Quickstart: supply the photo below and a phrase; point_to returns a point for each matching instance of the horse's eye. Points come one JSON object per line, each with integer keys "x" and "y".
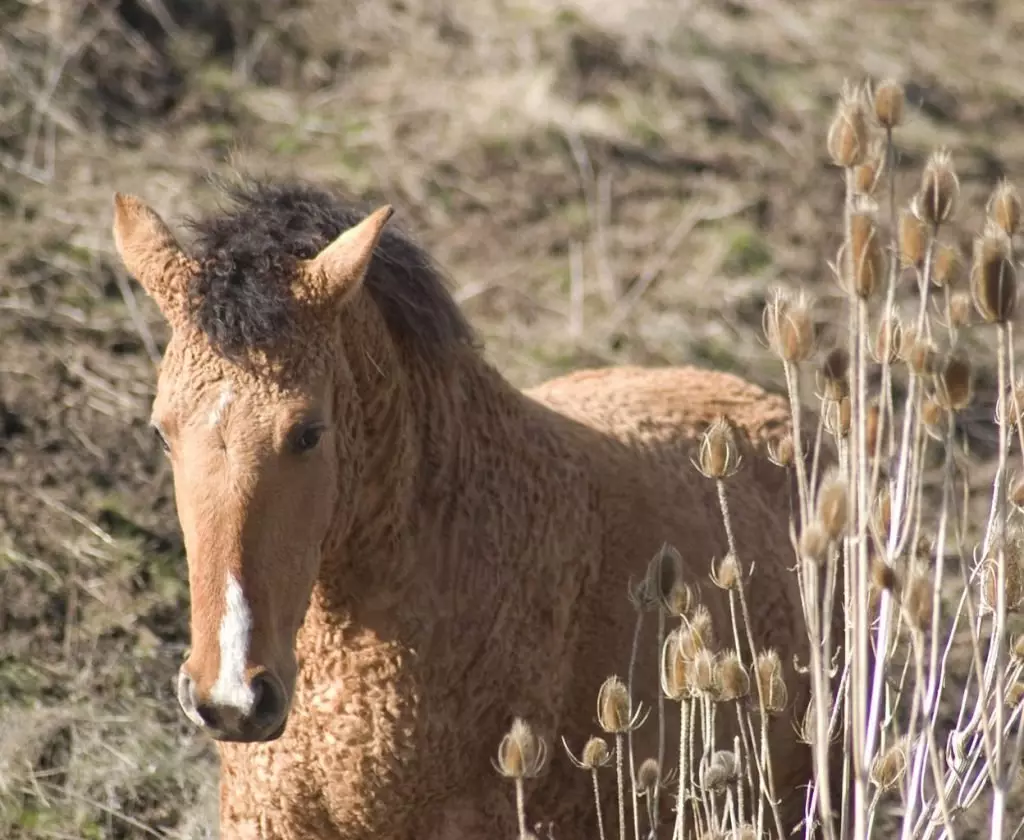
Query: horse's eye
{"x": 163, "y": 441}
{"x": 305, "y": 438}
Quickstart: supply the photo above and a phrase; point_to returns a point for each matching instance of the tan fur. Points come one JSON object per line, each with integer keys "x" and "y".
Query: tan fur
{"x": 465, "y": 549}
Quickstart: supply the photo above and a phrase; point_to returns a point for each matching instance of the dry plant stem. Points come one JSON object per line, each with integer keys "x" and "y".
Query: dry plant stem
{"x": 822, "y": 700}
{"x": 655, "y": 806}
{"x": 793, "y": 386}
{"x": 885, "y": 408}
{"x": 763, "y": 759}
{"x": 999, "y": 631}
{"x": 621, "y": 784}
{"x": 680, "y": 829}
{"x": 597, "y": 804}
{"x": 747, "y": 748}
{"x": 521, "y": 806}
{"x": 629, "y": 734}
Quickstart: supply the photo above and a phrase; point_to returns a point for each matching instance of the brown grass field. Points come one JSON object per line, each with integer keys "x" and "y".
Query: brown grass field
{"x": 605, "y": 182}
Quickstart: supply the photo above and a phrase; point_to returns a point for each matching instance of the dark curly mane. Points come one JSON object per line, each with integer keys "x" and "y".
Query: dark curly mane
{"x": 247, "y": 255}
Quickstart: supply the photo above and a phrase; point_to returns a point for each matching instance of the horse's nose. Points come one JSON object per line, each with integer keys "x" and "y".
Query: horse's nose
{"x": 256, "y": 715}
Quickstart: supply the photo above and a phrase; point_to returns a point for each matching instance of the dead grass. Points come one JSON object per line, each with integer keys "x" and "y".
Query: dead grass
{"x": 605, "y": 182}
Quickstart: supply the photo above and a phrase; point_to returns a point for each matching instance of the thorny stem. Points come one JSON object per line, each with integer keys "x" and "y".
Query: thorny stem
{"x": 621, "y": 785}
{"x": 597, "y": 804}
{"x": 999, "y": 631}
{"x": 655, "y": 808}
{"x": 521, "y": 807}
{"x": 793, "y": 386}
{"x": 680, "y": 828}
{"x": 629, "y": 734}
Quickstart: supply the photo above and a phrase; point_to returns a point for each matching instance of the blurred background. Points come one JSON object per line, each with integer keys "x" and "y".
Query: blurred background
{"x": 605, "y": 182}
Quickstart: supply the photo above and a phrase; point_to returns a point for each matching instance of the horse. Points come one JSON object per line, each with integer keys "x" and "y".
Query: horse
{"x": 393, "y": 552}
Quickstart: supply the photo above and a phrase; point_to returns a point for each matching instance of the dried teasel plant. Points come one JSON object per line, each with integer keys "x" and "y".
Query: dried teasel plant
{"x": 718, "y": 456}
{"x": 994, "y": 276}
{"x": 788, "y": 326}
{"x": 937, "y": 198}
{"x": 849, "y": 135}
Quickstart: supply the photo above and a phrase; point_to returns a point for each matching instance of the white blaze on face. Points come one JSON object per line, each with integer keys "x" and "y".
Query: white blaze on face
{"x": 232, "y": 688}
{"x": 223, "y": 401}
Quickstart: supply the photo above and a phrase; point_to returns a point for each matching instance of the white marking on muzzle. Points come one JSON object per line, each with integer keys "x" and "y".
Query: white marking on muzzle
{"x": 232, "y": 688}
{"x": 223, "y": 401}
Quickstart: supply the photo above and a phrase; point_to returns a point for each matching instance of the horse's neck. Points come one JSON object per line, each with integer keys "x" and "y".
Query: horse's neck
{"x": 429, "y": 428}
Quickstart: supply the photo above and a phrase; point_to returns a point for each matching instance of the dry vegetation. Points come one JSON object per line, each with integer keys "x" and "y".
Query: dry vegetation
{"x": 606, "y": 182}
{"x": 926, "y": 743}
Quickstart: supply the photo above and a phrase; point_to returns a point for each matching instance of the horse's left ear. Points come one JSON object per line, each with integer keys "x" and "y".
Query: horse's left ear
{"x": 337, "y": 272}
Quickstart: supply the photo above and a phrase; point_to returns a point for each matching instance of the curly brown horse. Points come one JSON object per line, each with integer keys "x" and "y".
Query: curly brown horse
{"x": 392, "y": 551}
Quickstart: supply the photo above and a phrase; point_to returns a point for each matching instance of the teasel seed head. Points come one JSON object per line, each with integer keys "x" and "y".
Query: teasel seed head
{"x": 703, "y": 674}
{"x": 994, "y": 276}
{"x": 788, "y": 326}
{"x": 814, "y": 543}
{"x": 679, "y": 600}
{"x": 726, "y": 573}
{"x": 947, "y": 267}
{"x": 953, "y": 382}
{"x": 913, "y": 237}
{"x": 768, "y": 670}
{"x": 719, "y": 456}
{"x": 849, "y": 135}
{"x": 781, "y": 452}
{"x": 1016, "y": 491}
{"x": 868, "y": 268}
{"x": 720, "y": 770}
{"x": 596, "y": 754}
{"x": 960, "y": 309}
{"x": 867, "y": 175}
{"x": 837, "y": 418}
{"x": 1017, "y": 648}
{"x": 890, "y": 766}
{"x": 889, "y": 101}
{"x": 733, "y": 679}
{"x": 664, "y": 572}
{"x": 835, "y": 371}
{"x": 940, "y": 188}
{"x": 921, "y": 357}
{"x": 933, "y": 417}
{"x": 888, "y": 340}
{"x": 831, "y": 505}
{"x": 521, "y": 753}
{"x": 1010, "y": 406}
{"x": 648, "y": 775}
{"x": 1014, "y": 694}
{"x": 872, "y": 418}
{"x": 884, "y": 576}
{"x": 1014, "y": 576}
{"x": 614, "y": 712}
{"x": 697, "y": 633}
{"x": 917, "y": 601}
{"x": 675, "y": 667}
{"x": 1004, "y": 207}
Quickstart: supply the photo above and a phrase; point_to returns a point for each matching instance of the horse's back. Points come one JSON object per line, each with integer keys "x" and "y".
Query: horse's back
{"x": 649, "y": 421}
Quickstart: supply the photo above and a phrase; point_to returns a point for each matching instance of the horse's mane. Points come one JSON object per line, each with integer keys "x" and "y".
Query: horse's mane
{"x": 241, "y": 297}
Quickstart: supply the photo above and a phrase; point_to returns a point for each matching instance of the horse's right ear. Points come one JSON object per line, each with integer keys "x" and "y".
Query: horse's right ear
{"x": 334, "y": 275}
{"x": 151, "y": 254}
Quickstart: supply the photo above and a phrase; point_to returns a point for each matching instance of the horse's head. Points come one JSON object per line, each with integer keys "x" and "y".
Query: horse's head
{"x": 262, "y": 440}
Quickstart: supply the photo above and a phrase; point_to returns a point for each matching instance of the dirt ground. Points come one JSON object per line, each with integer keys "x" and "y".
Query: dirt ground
{"x": 605, "y": 182}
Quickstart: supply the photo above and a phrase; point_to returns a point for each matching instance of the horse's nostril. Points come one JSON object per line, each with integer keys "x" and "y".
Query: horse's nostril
{"x": 267, "y": 700}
